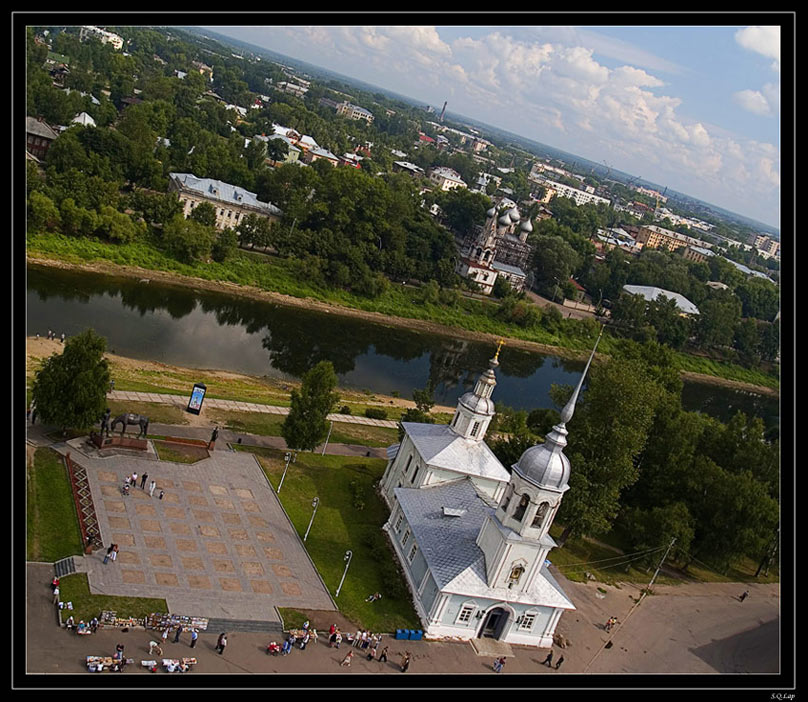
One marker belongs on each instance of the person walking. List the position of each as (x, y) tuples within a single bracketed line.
[(213, 437), (164, 635), (744, 596), (338, 638), (162, 492), (114, 552), (347, 660), (56, 595), (498, 664), (405, 661), (549, 660), (559, 662), (221, 643), (383, 655), (177, 635), (109, 553), (152, 485), (134, 478), (194, 637), (143, 481)]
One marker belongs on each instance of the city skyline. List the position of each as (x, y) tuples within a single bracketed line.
[(696, 109)]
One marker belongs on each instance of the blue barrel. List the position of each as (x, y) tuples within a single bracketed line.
[(416, 635)]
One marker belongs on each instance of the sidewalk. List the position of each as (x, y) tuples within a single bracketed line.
[(234, 406)]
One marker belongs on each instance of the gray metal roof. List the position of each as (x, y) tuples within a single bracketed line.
[(445, 521), (505, 268), (651, 293), (34, 126), (439, 446), (223, 192)]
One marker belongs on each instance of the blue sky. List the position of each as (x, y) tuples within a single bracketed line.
[(696, 109)]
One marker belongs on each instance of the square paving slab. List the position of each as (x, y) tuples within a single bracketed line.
[(217, 545)]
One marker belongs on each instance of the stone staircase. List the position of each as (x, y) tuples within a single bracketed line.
[(271, 629), (66, 566)]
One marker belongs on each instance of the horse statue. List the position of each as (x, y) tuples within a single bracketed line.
[(129, 418)]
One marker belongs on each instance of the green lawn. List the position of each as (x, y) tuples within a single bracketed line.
[(349, 517), (52, 524), (75, 589)]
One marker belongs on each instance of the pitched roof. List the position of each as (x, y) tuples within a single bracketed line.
[(224, 192), (34, 126), (651, 293), (445, 521), (441, 447)]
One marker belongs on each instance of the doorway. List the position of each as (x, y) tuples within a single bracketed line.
[(494, 623)]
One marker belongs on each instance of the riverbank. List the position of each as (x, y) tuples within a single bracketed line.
[(419, 325)]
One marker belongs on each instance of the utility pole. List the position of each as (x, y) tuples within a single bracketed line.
[(325, 445), (656, 572)]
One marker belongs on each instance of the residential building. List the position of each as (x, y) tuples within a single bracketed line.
[(473, 539), (696, 253), (316, 153), (292, 88), (581, 197), (38, 137), (651, 193), (650, 293), (231, 202), (351, 111), (203, 68), (652, 237), (293, 153), (83, 119), (446, 178), (102, 35), (407, 167)]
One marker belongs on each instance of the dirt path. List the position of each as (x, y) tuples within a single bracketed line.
[(254, 293)]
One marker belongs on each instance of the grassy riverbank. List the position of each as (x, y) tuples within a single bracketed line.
[(262, 277)]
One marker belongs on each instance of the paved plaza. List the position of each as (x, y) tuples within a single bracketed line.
[(218, 544)]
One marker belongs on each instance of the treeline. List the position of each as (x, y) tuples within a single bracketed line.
[(654, 471)]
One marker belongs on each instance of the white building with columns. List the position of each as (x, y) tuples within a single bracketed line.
[(472, 538)]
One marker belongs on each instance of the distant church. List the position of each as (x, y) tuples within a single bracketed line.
[(498, 248), (472, 538)]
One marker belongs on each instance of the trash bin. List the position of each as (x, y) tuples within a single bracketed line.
[(402, 634), (416, 635)]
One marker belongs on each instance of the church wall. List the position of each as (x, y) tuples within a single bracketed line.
[(429, 593), (418, 568)]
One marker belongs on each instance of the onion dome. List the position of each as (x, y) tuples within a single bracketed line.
[(514, 215), (527, 226), (505, 221), (490, 213)]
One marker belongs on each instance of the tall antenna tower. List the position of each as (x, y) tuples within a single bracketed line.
[(442, 112)]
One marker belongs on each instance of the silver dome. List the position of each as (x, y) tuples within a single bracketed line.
[(545, 465), (514, 215), (477, 404), (527, 226), (505, 220), (491, 212)]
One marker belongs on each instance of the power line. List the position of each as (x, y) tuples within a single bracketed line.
[(622, 555), (613, 565)]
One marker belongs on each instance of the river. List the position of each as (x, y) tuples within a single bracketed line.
[(200, 329)]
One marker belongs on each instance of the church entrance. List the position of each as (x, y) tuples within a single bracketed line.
[(494, 623)]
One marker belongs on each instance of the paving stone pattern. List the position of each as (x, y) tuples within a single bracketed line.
[(217, 545)]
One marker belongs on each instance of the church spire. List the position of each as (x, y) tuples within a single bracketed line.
[(476, 409), (569, 408)]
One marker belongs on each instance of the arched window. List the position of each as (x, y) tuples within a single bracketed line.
[(475, 428), (541, 513), (521, 508)]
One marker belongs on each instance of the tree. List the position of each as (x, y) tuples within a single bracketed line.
[(224, 246), (70, 389), (42, 213), (306, 425), (204, 213), (188, 240)]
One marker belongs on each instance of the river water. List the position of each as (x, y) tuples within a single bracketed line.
[(201, 329)]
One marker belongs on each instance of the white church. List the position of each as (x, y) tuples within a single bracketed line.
[(472, 538)]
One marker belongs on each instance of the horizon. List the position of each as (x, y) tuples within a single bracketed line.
[(732, 151)]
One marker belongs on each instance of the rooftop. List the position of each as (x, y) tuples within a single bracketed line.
[(223, 192)]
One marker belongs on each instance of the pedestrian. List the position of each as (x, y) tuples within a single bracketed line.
[(559, 662), (357, 638), (371, 654), (164, 635), (162, 492), (109, 553), (177, 635), (111, 385), (213, 437), (54, 583), (549, 660), (152, 485), (221, 643), (347, 659), (93, 625), (70, 623), (143, 481), (405, 661), (745, 595), (194, 637), (62, 338), (303, 641), (114, 555), (56, 595), (134, 479), (383, 655), (499, 663), (338, 637), (50, 334)]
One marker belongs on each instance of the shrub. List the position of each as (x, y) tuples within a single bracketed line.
[(345, 409), (375, 413)]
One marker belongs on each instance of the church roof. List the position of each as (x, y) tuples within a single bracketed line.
[(441, 447), (449, 543)]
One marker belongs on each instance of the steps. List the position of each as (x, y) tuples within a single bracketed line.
[(64, 567), (216, 626)]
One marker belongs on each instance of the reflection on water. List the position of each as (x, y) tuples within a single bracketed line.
[(201, 329)]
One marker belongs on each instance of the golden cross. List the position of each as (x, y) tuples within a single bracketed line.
[(500, 344)]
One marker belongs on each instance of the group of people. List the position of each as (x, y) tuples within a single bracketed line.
[(82, 627), (112, 554), (610, 623), (132, 480), (53, 337), (549, 661)]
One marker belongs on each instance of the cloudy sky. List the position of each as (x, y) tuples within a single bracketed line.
[(696, 109)]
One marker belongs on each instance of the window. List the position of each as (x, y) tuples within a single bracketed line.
[(398, 522), (528, 621), (406, 538), (413, 551), (516, 573), (415, 472), (521, 508), (466, 612), (407, 467), (454, 421), (544, 508), (475, 428)]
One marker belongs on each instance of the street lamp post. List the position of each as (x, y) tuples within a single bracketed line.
[(325, 445), (314, 503), (290, 458), (347, 559)]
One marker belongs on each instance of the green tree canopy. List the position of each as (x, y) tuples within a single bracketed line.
[(306, 426), (70, 388)]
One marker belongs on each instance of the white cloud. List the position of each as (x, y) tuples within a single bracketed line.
[(761, 40), (752, 101)]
